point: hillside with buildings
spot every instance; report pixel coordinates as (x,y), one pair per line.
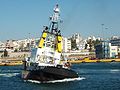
(74,47)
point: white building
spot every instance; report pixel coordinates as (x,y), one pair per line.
(66,45)
(80,42)
(82,45)
(118,49)
(115,41)
(106,50)
(12,45)
(113,50)
(2,46)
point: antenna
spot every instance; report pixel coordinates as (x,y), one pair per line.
(54,20)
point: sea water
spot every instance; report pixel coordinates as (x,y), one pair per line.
(92,76)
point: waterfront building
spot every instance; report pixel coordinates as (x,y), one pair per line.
(118,49)
(2,46)
(106,50)
(91,43)
(102,50)
(26,44)
(78,43)
(118,52)
(0,42)
(82,45)
(78,39)
(115,41)
(92,38)
(10,45)
(18,45)
(66,44)
(113,51)
(77,55)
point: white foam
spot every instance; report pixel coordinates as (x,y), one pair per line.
(67,80)
(8,74)
(33,81)
(55,81)
(115,70)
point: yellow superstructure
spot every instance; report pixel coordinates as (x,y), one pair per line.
(44,35)
(59,44)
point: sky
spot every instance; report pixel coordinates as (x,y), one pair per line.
(20,19)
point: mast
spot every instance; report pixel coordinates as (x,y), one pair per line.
(54,21)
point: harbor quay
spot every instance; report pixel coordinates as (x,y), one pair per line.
(17,58)
(102,52)
(93,61)
(14,58)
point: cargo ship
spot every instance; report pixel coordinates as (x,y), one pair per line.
(47,62)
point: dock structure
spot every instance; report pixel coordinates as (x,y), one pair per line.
(19,61)
(10,61)
(14,58)
(93,61)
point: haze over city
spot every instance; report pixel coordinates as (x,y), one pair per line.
(21,19)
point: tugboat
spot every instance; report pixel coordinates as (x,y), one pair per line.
(47,62)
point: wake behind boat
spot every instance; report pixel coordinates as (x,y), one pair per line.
(47,63)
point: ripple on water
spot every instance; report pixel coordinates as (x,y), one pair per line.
(8,74)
